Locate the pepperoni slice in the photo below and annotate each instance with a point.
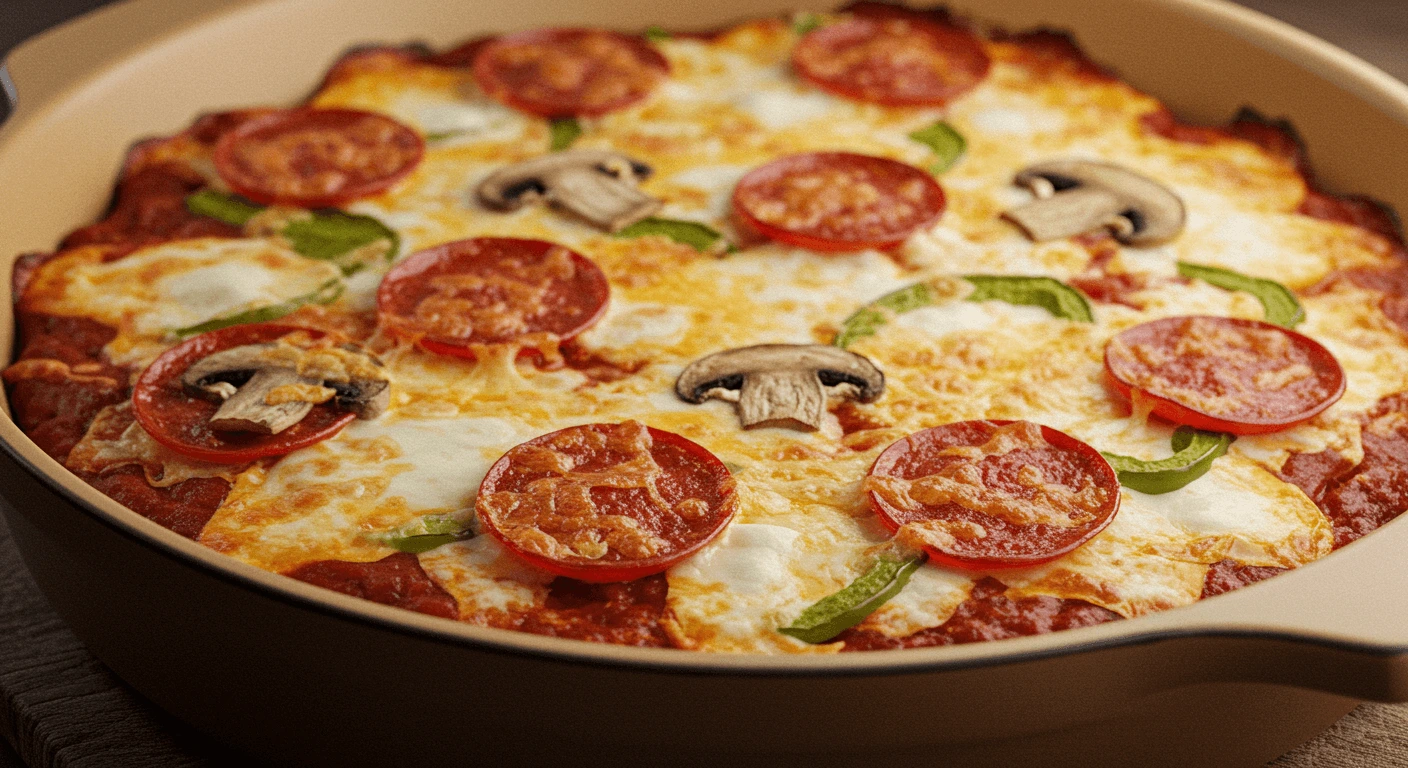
(980, 495)
(1224, 374)
(606, 502)
(569, 72)
(310, 158)
(891, 60)
(489, 291)
(837, 201)
(181, 422)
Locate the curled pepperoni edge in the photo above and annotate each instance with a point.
(1178, 413)
(599, 573)
(1056, 439)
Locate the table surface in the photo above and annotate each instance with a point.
(60, 707)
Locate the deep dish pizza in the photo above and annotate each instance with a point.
(864, 330)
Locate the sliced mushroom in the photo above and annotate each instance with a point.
(263, 391)
(781, 385)
(598, 185)
(1078, 196)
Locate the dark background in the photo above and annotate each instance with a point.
(1376, 30)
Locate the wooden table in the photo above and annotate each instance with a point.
(59, 707)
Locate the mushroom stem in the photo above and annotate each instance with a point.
(793, 399)
(780, 385)
(1070, 213)
(247, 411)
(598, 185)
(602, 199)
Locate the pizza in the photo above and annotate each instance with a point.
(865, 330)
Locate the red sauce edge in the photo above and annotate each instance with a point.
(396, 580)
(989, 614)
(149, 208)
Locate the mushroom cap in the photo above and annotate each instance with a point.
(727, 369)
(514, 185)
(1155, 212)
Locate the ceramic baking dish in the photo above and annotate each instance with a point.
(301, 675)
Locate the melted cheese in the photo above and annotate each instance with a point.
(115, 440)
(156, 290)
(803, 528)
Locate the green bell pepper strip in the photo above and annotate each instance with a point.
(426, 533)
(838, 612)
(803, 23)
(1052, 295)
(869, 319)
(326, 235)
(326, 293)
(948, 145)
(1281, 306)
(692, 233)
(340, 237)
(1193, 454)
(657, 33)
(232, 210)
(564, 131)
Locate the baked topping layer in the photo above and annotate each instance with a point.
(498, 324)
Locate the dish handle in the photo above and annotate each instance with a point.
(8, 97)
(1341, 619)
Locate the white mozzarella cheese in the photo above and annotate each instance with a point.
(955, 316)
(374, 476)
(735, 593)
(458, 117)
(776, 108)
(483, 577)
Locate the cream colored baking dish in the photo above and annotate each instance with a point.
(302, 675)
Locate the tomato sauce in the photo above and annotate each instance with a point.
(1358, 499)
(596, 368)
(989, 614)
(1048, 53)
(55, 412)
(1227, 575)
(397, 581)
(151, 208)
(1098, 282)
(1279, 138)
(624, 613)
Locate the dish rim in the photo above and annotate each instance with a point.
(1223, 617)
